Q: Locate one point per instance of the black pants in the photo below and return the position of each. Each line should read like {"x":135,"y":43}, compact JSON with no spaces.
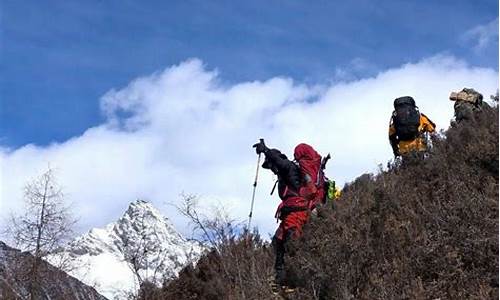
{"x":279,"y":252}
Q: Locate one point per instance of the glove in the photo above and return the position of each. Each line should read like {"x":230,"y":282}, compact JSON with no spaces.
{"x":260,"y":147}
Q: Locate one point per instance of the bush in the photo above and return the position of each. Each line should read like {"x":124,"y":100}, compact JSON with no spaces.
{"x":239,"y":270}
{"x":423,"y":229}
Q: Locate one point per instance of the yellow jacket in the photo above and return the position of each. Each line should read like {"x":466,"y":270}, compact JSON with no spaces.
{"x":418,"y":144}
{"x":338,"y":193}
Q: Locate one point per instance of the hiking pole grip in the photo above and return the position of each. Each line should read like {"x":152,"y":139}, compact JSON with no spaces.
{"x":258,"y":165}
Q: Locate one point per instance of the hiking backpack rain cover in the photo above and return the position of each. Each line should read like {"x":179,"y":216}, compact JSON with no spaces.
{"x":310,"y":165}
{"x":406,"y":118}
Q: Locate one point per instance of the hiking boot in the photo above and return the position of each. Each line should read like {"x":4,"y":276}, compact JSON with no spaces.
{"x":281,"y":289}
{"x":275,"y":288}
{"x":287,"y":289}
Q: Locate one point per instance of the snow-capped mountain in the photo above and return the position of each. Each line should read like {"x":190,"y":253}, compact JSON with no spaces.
{"x":141,"y":245}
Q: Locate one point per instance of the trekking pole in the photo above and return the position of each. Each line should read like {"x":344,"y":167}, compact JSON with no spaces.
{"x":254,"y":188}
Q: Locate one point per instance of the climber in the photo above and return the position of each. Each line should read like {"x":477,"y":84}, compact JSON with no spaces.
{"x":333,"y":191}
{"x":467,"y":103}
{"x":408,"y":128}
{"x":300,"y":188}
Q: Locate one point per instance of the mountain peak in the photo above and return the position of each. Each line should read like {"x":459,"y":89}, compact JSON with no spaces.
{"x":140,"y":209}
{"x":142,"y":219}
{"x":141,"y":229}
{"x":141,"y":203}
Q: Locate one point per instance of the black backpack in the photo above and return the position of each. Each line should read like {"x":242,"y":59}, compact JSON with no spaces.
{"x":406,"y":118}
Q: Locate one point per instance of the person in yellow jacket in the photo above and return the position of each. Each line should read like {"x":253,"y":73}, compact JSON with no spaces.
{"x":407,"y":127}
{"x":333,"y":192}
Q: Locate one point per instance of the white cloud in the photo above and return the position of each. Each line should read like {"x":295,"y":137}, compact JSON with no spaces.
{"x":483,"y":35}
{"x":357,"y":68}
{"x":183,"y":130}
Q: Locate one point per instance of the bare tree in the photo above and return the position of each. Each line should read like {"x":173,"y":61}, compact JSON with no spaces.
{"x":232,"y":255}
{"x":43,"y":226}
{"x":215,"y":228}
{"x":143,"y":256}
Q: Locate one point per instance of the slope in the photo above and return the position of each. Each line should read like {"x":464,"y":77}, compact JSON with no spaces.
{"x":55,"y":284}
{"x":422,"y":229}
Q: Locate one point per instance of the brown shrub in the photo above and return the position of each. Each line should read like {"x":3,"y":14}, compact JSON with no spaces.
{"x":240,"y":270}
{"x":424,"y":229}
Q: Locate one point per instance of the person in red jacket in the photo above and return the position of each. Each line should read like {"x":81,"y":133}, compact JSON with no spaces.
{"x":298,"y":195}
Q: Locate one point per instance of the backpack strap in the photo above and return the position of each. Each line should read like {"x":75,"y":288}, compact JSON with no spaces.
{"x":289,"y":192}
{"x":274,"y":186}
{"x":319,"y":177}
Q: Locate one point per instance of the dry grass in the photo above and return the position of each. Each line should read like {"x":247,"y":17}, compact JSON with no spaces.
{"x":422,"y":230}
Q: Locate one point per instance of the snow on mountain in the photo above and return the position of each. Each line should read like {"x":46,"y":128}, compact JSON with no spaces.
{"x":141,"y":245}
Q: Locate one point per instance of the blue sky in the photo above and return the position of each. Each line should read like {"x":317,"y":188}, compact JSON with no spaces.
{"x":128,"y":100}
{"x":59,"y":57}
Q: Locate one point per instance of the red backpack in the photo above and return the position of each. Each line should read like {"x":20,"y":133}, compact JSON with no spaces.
{"x":311,"y":166}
